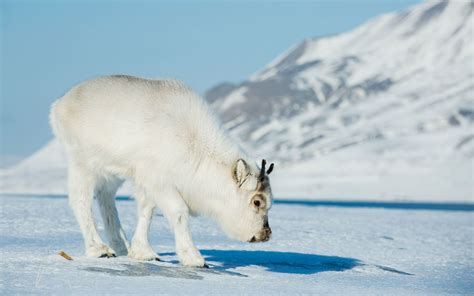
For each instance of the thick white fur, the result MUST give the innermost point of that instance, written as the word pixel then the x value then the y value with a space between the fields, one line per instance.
pixel 162 136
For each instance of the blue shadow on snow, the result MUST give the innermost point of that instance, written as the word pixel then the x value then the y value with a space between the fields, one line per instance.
pixel 274 261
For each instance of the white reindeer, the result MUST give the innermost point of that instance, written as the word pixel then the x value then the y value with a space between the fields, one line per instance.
pixel 163 137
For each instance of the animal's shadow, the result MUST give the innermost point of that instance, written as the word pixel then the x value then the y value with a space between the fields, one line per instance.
pixel 275 261
pixel 224 262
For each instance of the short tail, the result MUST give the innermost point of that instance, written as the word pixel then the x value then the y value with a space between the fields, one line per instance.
pixel 54 120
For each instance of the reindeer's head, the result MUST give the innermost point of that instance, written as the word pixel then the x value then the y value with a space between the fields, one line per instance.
pixel 247 218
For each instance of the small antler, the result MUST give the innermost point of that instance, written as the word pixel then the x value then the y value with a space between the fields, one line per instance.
pixel 270 169
pixel 262 169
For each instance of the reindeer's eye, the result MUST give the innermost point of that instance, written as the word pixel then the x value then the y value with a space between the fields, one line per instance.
pixel 258 201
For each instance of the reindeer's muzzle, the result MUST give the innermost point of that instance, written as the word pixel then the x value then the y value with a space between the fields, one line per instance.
pixel 263 236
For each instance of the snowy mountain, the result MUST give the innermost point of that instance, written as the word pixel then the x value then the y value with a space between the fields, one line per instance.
pixel 44 172
pixel 400 75
pixel 385 111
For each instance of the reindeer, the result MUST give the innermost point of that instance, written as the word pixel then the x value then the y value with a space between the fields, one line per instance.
pixel 163 137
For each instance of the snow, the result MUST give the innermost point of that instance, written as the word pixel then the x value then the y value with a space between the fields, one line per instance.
pixel 382 179
pixel 314 250
pixel 235 98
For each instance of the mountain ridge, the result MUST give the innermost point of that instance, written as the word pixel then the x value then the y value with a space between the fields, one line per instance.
pixel 304 78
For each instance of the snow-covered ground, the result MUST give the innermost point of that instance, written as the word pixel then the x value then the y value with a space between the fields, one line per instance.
pixel 315 249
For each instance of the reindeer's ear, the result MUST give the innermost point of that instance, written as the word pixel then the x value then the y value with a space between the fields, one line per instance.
pixel 240 171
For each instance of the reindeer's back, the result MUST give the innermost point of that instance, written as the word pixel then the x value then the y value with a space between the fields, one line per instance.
pixel 121 118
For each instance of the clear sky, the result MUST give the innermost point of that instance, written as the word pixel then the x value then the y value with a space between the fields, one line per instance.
pixel 49 46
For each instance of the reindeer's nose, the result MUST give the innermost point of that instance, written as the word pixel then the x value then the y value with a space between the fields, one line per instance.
pixel 268 231
pixel 266 228
pixel 265 224
pixel 263 236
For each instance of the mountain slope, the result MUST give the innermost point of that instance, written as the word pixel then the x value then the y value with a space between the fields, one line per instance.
pixel 43 172
pixel 385 111
pixel 401 74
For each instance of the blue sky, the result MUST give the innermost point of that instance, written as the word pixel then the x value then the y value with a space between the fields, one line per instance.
pixel 49 46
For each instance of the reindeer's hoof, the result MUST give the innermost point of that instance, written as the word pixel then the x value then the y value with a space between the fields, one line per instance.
pixel 100 251
pixel 107 255
pixel 144 256
pixel 190 257
pixel 142 252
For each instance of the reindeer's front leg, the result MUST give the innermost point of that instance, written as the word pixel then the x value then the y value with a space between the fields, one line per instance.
pixel 140 248
pixel 177 213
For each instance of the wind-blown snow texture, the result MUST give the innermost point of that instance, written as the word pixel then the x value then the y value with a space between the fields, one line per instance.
pixel 384 111
pixel 314 250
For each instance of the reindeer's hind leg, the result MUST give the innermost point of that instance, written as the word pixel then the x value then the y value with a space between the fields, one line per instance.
pixel 81 183
pixel 105 195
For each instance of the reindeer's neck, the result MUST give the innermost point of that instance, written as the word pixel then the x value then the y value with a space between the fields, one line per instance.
pixel 209 184
pixel 210 187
